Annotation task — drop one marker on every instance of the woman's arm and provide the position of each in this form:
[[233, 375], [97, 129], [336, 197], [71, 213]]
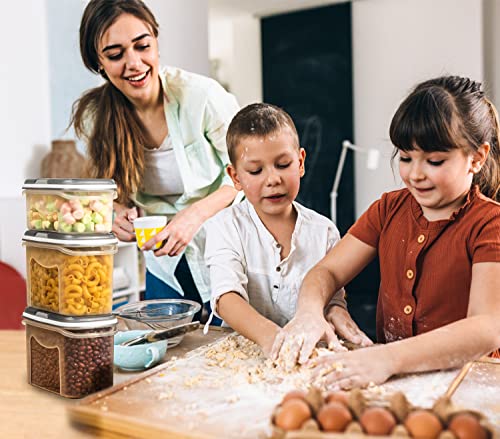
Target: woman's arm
[[341, 264], [245, 320], [181, 229], [449, 346]]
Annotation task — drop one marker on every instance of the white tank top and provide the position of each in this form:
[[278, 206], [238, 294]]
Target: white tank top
[[161, 172]]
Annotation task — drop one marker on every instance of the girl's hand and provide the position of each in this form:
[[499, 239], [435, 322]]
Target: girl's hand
[[123, 226], [347, 370], [344, 326], [295, 343], [178, 233]]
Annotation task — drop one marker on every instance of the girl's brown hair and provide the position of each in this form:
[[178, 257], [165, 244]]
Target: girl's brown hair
[[103, 116], [446, 113]]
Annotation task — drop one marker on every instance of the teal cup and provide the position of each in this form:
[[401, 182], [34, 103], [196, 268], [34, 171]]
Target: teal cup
[[137, 357]]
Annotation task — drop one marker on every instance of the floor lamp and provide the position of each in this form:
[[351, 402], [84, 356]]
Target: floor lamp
[[372, 158]]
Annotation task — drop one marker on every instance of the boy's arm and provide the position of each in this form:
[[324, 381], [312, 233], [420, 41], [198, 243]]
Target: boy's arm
[[245, 320]]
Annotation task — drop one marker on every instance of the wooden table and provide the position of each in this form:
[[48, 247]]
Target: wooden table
[[29, 412]]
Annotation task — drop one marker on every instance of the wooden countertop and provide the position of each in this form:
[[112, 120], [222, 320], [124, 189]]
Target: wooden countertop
[[29, 412]]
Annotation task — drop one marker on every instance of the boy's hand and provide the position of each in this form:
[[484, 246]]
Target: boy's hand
[[295, 343], [344, 326]]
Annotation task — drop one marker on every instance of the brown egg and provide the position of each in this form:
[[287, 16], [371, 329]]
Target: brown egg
[[334, 416], [377, 421], [466, 426], [423, 424], [294, 394], [292, 414], [341, 396]]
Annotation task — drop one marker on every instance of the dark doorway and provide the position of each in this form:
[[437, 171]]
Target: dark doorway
[[307, 70]]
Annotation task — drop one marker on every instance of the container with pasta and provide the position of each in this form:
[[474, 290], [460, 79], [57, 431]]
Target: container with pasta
[[70, 274], [70, 205], [69, 356]]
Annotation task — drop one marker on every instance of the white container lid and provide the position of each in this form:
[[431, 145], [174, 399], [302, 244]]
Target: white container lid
[[70, 240], [71, 184], [69, 322]]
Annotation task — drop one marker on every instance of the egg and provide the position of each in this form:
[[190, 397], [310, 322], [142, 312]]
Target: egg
[[466, 426], [377, 421], [423, 424], [334, 416], [294, 394], [341, 396], [292, 414]]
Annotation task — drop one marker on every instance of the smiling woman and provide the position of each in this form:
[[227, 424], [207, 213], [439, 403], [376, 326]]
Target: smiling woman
[[160, 134]]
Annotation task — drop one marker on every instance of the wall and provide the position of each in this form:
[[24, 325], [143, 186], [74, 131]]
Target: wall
[[421, 39], [183, 33], [235, 44], [491, 38]]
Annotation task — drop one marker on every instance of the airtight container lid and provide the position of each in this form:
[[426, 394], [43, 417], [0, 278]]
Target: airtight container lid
[[69, 322], [70, 240], [71, 184]]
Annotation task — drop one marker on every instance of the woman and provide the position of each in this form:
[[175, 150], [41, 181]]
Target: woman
[[160, 134]]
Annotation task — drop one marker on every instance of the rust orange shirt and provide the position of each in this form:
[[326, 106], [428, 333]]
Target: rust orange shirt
[[426, 267]]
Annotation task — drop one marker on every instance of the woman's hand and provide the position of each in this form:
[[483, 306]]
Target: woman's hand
[[345, 327], [178, 233], [358, 368], [123, 226], [295, 343]]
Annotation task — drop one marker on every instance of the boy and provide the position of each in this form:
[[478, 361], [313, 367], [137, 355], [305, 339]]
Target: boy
[[259, 251]]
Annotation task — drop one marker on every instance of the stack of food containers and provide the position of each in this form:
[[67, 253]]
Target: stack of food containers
[[69, 262]]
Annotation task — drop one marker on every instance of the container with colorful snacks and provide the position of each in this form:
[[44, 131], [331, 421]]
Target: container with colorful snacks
[[70, 356], [71, 205], [70, 274]]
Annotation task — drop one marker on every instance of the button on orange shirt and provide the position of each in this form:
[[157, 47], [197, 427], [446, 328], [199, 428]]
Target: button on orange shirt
[[426, 267]]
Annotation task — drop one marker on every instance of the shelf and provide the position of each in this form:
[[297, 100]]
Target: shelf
[[122, 293]]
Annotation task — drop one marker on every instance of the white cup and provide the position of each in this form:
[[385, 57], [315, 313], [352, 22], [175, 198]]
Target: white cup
[[148, 226]]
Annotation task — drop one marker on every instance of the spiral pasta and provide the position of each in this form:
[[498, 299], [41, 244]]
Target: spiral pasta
[[72, 285]]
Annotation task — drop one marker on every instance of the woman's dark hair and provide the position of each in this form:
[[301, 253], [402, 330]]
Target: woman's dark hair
[[103, 116], [258, 120], [446, 113]]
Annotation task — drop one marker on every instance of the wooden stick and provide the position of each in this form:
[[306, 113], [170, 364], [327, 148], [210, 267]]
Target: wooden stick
[[458, 379]]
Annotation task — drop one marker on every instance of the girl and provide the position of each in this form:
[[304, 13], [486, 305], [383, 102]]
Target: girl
[[438, 241], [160, 134]]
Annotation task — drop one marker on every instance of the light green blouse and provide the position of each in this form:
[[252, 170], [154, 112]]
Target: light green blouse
[[198, 112]]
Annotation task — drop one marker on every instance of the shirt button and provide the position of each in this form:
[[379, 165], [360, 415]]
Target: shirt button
[[275, 286], [409, 274], [420, 239], [407, 309], [278, 269], [278, 246]]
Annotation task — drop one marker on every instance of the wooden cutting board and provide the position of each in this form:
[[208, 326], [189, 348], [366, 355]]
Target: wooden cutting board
[[226, 390]]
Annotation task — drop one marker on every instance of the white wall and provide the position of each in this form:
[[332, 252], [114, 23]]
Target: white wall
[[183, 33], [235, 43], [491, 35], [396, 44]]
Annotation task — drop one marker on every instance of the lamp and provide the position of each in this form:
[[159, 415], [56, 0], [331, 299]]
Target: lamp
[[372, 158]]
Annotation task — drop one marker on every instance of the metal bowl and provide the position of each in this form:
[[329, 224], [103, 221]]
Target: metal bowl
[[158, 314]]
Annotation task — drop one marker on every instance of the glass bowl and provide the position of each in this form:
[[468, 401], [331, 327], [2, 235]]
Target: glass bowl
[[158, 314]]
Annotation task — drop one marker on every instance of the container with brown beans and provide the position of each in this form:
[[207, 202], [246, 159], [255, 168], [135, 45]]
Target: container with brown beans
[[69, 356]]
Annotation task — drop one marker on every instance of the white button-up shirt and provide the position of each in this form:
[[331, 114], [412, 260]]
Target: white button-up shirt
[[243, 257]]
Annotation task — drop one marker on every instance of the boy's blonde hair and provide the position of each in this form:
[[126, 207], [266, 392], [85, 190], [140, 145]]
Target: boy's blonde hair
[[258, 120]]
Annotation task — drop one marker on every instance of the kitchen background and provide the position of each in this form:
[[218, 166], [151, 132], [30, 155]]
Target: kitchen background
[[393, 45]]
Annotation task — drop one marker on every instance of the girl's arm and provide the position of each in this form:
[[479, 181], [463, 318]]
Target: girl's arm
[[341, 264], [245, 320], [446, 347]]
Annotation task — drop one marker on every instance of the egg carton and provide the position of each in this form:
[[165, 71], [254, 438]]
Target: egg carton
[[311, 415]]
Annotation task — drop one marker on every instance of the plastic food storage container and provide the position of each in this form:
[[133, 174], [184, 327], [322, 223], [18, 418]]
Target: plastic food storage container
[[72, 205], [70, 274], [67, 355]]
